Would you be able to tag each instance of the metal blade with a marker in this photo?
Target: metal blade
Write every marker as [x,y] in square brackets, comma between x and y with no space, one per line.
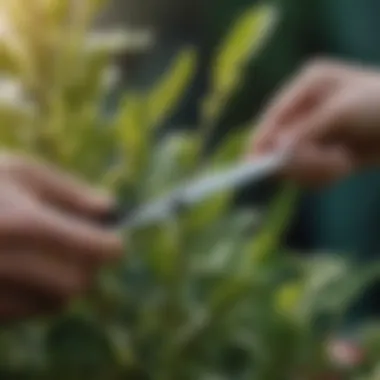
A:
[196,191]
[231,179]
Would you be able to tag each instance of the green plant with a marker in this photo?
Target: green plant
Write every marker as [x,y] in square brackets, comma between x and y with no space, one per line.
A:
[206,295]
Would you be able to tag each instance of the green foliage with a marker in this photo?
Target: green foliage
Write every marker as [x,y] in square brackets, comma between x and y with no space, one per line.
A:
[203,296]
[245,40]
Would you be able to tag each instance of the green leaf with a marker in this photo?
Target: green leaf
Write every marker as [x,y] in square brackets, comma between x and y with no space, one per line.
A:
[207,213]
[74,345]
[171,161]
[219,245]
[232,148]
[171,88]
[332,285]
[288,298]
[268,240]
[15,128]
[159,247]
[121,345]
[245,40]
[132,133]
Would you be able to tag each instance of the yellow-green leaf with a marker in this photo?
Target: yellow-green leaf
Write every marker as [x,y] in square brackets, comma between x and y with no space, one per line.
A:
[242,43]
[268,240]
[171,161]
[288,298]
[132,131]
[207,212]
[172,87]
[232,148]
[244,40]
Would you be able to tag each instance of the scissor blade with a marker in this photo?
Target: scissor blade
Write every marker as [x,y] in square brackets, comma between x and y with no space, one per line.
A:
[189,195]
[151,213]
[235,178]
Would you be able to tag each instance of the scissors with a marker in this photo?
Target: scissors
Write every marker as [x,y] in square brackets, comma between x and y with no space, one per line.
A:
[191,193]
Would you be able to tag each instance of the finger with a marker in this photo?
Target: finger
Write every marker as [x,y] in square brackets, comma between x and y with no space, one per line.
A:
[56,187]
[318,166]
[322,126]
[301,96]
[292,103]
[40,274]
[55,232]
[16,306]
[365,154]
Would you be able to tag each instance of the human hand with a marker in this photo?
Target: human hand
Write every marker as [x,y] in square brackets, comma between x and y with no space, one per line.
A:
[49,248]
[330,115]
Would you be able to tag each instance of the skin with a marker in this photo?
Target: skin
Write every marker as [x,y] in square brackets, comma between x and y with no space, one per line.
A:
[328,115]
[50,246]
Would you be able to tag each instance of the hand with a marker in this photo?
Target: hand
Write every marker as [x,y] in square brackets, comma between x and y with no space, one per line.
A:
[330,114]
[49,248]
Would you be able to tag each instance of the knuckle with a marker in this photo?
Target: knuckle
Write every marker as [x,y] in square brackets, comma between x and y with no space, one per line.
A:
[71,288]
[29,225]
[18,223]
[11,163]
[317,66]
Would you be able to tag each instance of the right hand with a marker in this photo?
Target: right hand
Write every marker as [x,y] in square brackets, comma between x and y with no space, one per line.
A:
[50,249]
[330,113]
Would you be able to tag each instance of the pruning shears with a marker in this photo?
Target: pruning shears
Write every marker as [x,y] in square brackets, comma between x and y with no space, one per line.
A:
[193,192]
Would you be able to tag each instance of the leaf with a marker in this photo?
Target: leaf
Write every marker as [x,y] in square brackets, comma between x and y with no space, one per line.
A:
[88,86]
[219,244]
[8,64]
[332,285]
[22,347]
[268,240]
[120,344]
[118,41]
[15,127]
[159,247]
[222,301]
[171,161]
[245,39]
[207,213]
[74,345]
[232,148]
[288,298]
[167,94]
[131,129]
